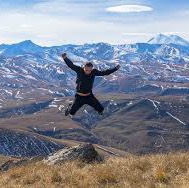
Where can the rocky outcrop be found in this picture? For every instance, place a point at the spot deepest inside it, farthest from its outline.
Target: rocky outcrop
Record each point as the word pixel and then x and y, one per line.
pixel 83 152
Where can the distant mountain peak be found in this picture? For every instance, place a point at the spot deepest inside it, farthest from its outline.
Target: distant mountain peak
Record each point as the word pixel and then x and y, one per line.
pixel 26 42
pixel 168 39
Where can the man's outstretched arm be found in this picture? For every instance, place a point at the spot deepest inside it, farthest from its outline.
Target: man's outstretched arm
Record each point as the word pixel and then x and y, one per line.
pixel 106 72
pixel 69 63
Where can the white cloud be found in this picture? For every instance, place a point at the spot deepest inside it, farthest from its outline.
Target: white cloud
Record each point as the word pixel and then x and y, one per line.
pixel 58 22
pixel 129 8
pixel 47 29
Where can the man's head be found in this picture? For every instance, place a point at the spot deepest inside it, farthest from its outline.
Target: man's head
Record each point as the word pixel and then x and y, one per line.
pixel 88 68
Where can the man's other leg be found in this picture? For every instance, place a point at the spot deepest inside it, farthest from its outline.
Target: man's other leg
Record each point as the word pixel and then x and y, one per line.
pixel 93 102
pixel 78 103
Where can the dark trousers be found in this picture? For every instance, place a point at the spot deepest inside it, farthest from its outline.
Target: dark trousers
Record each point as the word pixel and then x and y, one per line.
pixel 91 100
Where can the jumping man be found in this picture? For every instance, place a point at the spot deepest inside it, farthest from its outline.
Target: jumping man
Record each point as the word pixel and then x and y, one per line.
pixel 84 85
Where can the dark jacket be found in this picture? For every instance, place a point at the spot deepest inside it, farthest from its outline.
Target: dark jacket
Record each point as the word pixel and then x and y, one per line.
pixel 85 82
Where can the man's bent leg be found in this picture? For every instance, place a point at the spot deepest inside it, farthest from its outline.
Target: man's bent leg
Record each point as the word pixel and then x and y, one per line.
pixel 93 102
pixel 78 103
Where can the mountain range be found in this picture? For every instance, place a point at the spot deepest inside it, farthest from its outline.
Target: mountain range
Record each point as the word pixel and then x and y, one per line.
pixel 146 101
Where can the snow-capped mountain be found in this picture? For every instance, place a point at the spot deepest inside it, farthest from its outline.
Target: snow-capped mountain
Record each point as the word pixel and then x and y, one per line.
pixel 21 48
pixel 168 39
pixel 28 65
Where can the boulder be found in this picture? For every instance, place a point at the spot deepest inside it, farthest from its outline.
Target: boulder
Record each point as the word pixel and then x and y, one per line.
pixel 83 152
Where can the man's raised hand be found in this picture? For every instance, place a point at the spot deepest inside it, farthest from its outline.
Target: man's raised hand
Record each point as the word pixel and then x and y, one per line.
pixel 64 55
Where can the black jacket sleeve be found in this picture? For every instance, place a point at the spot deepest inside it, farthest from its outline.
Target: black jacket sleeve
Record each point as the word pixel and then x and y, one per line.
pixel 105 72
pixel 70 64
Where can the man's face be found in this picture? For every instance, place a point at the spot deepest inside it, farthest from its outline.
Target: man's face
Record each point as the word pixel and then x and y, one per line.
pixel 87 70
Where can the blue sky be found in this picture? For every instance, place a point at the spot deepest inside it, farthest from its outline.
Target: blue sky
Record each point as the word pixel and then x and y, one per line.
pixel 56 22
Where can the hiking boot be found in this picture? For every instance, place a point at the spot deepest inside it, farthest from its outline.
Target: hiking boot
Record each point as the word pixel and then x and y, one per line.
pixel 100 113
pixel 61 108
pixel 71 116
pixel 67 110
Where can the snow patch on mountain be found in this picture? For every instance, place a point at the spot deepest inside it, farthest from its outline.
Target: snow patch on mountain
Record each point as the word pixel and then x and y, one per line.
pixel 168 39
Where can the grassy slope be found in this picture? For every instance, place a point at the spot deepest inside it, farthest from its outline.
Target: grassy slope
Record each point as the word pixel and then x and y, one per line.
pixel 150 171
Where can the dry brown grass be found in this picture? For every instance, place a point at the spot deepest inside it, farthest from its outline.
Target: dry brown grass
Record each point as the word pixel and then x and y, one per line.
pixel 161 171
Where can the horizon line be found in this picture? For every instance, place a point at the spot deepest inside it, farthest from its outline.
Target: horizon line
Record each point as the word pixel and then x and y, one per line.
pixel 97 42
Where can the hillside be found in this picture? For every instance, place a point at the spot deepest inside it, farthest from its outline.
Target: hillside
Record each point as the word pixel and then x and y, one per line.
pixel 146 102
pixel 141 122
pixel 147 171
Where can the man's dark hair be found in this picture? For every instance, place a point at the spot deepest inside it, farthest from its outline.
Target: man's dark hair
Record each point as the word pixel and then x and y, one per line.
pixel 88 64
